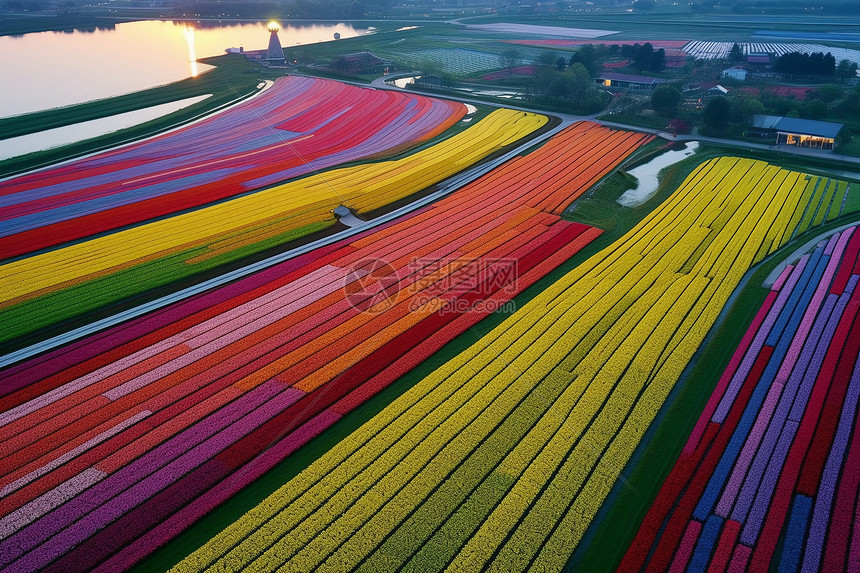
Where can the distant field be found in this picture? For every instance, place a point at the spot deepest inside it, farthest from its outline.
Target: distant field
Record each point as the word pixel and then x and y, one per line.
pixel 720 50
pixel 457 61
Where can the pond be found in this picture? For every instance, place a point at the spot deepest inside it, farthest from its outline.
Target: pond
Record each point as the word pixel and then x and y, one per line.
pixel 647 174
pixel 51 69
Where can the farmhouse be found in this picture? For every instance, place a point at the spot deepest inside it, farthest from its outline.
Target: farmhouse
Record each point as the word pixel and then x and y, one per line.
pixel 629 82
pixel 360 63
pixel 798 132
pixel 739 74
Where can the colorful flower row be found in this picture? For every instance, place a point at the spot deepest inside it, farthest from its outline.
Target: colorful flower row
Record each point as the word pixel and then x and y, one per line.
pixel 297 126
pixel 825 201
pixel 180 410
pixel 502 457
pixel 46 288
pixel 774 436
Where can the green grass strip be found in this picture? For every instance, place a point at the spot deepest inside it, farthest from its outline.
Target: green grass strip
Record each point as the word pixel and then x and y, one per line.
pixel 811 208
pixel 825 203
pixel 802 206
pixel 852 203
pixel 129 284
pixel 838 200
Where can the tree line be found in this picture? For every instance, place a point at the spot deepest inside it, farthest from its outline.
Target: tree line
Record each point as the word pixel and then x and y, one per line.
pixel 798 64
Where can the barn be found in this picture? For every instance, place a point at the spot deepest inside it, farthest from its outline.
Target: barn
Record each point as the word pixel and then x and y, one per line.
pixel 629 82
pixel 808 133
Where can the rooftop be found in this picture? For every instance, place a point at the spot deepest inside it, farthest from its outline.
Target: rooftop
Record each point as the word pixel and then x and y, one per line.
pixel 631 78
pixel 797 125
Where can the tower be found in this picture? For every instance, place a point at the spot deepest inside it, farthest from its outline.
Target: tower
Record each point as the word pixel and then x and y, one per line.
pixel 275 53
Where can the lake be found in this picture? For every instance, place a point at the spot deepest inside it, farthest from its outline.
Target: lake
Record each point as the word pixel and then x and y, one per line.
pixel 52 69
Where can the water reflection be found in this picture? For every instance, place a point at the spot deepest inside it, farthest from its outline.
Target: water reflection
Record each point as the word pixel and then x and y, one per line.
pixel 192 55
pixel 50 69
pixel 648 174
pixel 56 137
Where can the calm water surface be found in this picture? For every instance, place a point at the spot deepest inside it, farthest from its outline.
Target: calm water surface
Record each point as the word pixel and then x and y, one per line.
pixel 52 69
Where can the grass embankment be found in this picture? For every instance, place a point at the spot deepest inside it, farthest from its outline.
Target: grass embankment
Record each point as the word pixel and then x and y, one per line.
pixel 233 78
pixel 17 24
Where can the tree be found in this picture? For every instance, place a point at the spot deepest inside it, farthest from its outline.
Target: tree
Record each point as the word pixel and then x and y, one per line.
pixel 815 109
pixel 715 116
pixel 828 93
pixel 736 54
pixel 744 108
pixel 642 57
pixel 815 64
pixel 545 69
pixel 509 59
pixel 665 100
pixel 576 87
pixel 560 64
pixel 628 51
pixel 658 60
pixel 590 56
pixel 545 60
pixel 850 105
pixel 846 70
pixel 579 82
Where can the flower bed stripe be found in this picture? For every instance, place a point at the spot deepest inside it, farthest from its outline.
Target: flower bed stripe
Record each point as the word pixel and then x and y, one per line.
pixel 796 454
pixel 826 490
pixel 615 347
pixel 242 148
pixel 795 534
pixel 223 410
pixel 157 253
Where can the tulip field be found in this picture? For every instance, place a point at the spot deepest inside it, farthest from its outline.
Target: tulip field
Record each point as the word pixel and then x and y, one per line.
pixel 502 457
pixel 476 382
pixel 120 441
pixel 296 127
pixel 49 287
pixel 776 451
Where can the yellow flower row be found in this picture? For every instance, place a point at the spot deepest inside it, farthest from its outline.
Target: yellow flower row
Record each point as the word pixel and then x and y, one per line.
pixel 502 457
pixel 364 187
